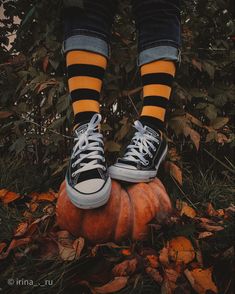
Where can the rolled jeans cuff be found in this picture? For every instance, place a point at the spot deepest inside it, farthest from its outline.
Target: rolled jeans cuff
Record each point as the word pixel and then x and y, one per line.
pixel 162 52
pixel 86 43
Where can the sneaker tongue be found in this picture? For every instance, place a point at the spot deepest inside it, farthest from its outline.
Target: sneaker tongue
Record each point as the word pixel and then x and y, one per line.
pixel 81 129
pixel 152 132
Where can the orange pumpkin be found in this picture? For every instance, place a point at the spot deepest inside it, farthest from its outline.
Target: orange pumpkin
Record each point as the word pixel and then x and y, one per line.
pixel 126 215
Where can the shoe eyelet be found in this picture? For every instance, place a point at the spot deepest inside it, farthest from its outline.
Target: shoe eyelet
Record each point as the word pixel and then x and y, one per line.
pixel 73 165
pixel 146 163
pixel 73 175
pixel 103 168
pixel 151 156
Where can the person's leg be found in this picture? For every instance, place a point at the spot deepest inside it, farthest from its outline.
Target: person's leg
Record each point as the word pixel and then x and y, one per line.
pixel 159 42
pixel 86 48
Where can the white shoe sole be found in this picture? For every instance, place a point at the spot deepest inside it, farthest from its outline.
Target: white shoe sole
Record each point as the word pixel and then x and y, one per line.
pixel 86 201
pixel 135 176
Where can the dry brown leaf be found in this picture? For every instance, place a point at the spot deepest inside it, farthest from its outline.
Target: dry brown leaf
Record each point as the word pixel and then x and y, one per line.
pixel 2 246
pixel 9 197
pixel 125 268
pixel 185 209
pixel 164 256
pixel 49 196
pixel 21 229
pixel 220 212
pixel 204 235
pixel 211 228
pixel 174 171
pixel 33 206
pixel 108 244
pixel 201 280
pixel 153 260
pixel 126 252
pixel 65 244
pixel 3 192
pixel 14 244
pixel 155 274
pixel 78 245
pixel 181 250
pixel 113 286
pixel 210 210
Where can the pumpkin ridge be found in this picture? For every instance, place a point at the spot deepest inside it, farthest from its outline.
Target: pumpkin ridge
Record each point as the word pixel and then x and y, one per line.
pixel 132 216
pixel 117 215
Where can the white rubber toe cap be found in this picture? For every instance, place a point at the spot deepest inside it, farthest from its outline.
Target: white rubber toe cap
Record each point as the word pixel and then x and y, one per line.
pixel 90 186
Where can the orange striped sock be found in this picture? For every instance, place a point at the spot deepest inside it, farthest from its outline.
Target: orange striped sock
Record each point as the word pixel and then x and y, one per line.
pixel 85 71
pixel 157 78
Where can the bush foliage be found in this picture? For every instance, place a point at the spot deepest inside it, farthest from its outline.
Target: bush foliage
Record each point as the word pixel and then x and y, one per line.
pixel 35 111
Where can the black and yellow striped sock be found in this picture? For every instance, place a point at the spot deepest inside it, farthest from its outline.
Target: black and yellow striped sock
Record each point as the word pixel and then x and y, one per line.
pixel 85 71
pixel 157 78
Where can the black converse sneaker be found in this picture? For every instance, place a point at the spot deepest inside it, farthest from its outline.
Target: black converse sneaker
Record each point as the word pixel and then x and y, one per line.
pixel 142 158
pixel 87 182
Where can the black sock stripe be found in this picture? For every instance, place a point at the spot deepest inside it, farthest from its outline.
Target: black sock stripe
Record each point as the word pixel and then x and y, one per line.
pixel 81 117
pixel 84 94
pixel 157 78
pixel 88 70
pixel 156 101
pixel 153 122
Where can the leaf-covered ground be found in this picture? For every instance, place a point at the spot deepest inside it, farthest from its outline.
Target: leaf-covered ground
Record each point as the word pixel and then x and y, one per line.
pixel 191 253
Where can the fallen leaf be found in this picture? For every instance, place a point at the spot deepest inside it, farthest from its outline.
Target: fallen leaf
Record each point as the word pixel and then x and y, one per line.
pixel 49 196
pixel 108 244
pixel 174 171
pixel 204 235
pixel 153 260
pixel 2 246
pixel 78 245
pixel 113 286
pixel 65 244
pixel 197 64
pixel 185 209
pixel 126 252
pixel 125 268
pixel 9 196
pixel 210 210
pixel 154 274
pixel 201 280
pixel 3 192
pixel 14 244
pixel 181 250
pixel 211 228
pixel 21 229
pixel 164 256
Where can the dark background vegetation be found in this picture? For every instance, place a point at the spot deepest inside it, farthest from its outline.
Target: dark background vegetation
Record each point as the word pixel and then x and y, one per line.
pixel 36 117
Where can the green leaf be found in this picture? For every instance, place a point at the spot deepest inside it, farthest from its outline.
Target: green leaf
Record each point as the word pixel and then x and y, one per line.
pixel 57 123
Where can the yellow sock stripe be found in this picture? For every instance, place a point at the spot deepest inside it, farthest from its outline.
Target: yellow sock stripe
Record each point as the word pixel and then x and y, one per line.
pixel 85 57
pixel 154 111
pixel 157 90
pixel 86 105
pixel 84 83
pixel 158 66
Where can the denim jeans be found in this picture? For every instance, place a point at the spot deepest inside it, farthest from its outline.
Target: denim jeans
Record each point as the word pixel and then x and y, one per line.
pixel 157 22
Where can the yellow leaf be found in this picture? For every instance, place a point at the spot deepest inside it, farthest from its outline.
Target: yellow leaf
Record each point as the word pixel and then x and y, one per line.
pixel 201 280
pixel 9 197
pixel 21 229
pixel 181 250
pixel 174 171
pixel 185 209
pixel 49 196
